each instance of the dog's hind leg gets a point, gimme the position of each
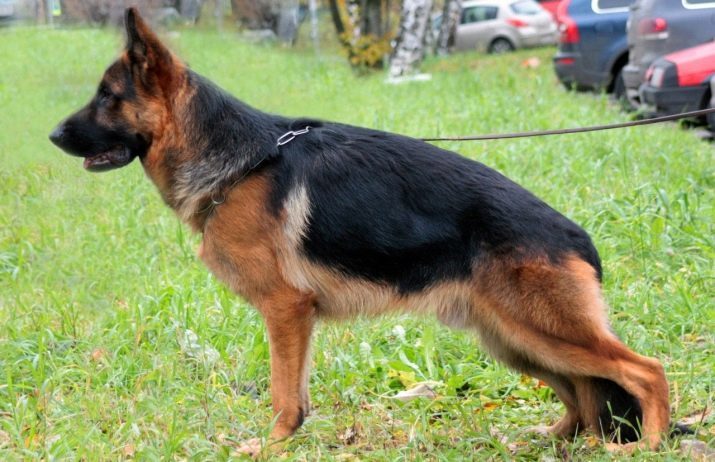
(570, 423)
(563, 386)
(553, 315)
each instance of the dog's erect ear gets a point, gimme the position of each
(148, 56)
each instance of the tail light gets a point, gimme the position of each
(664, 73)
(648, 73)
(568, 29)
(565, 61)
(653, 28)
(517, 22)
(656, 77)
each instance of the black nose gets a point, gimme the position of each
(57, 134)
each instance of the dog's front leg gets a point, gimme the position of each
(289, 317)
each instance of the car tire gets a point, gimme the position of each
(575, 86)
(619, 86)
(500, 45)
(711, 118)
(619, 92)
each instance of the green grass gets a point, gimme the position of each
(98, 280)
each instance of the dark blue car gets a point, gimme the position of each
(593, 48)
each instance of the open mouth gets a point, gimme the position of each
(118, 156)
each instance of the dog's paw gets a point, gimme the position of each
(622, 449)
(251, 448)
(540, 430)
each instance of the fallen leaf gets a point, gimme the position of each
(52, 439)
(501, 437)
(514, 447)
(350, 435)
(531, 63)
(592, 441)
(98, 354)
(399, 332)
(193, 348)
(128, 450)
(420, 390)
(490, 406)
(4, 439)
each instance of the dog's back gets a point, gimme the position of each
(393, 209)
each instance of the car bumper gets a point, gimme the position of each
(632, 79)
(569, 70)
(7, 10)
(667, 101)
(711, 116)
(536, 38)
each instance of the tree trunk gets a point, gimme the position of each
(281, 17)
(218, 14)
(371, 17)
(360, 30)
(190, 10)
(287, 24)
(409, 48)
(448, 29)
(337, 20)
(313, 8)
(248, 13)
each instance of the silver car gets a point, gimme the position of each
(499, 26)
(7, 9)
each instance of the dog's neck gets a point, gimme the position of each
(200, 150)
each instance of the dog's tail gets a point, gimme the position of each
(619, 412)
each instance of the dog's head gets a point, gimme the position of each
(131, 106)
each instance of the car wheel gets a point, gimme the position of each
(711, 118)
(575, 86)
(619, 87)
(500, 45)
(619, 92)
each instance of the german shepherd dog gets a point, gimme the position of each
(308, 219)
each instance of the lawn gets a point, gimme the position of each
(115, 341)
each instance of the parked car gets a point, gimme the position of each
(550, 6)
(592, 44)
(711, 116)
(680, 81)
(657, 28)
(499, 26)
(7, 10)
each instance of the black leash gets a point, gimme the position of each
(566, 131)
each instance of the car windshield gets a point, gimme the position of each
(525, 7)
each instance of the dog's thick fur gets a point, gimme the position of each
(344, 221)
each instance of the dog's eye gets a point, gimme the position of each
(105, 95)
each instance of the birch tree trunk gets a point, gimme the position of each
(313, 8)
(448, 28)
(410, 44)
(361, 32)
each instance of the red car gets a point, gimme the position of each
(550, 6)
(711, 116)
(680, 81)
